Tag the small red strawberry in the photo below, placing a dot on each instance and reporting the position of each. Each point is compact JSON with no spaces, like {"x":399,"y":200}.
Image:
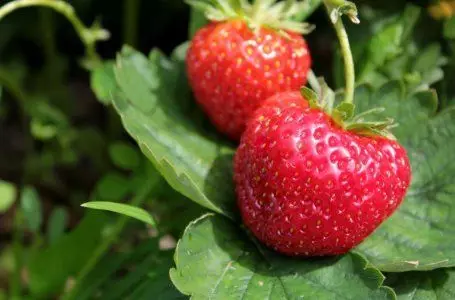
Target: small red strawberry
{"x":307,"y":187}
{"x":244,"y":57}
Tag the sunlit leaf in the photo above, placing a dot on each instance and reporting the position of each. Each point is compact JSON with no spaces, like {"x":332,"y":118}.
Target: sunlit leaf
{"x":124,"y":209}
{"x":8,"y":195}
{"x":215,"y":259}
{"x":154,"y":104}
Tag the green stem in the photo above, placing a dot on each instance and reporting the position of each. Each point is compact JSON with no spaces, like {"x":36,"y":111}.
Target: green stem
{"x":138,"y":199}
{"x":130,"y":22}
{"x":349,"y":71}
{"x":87,"y":36}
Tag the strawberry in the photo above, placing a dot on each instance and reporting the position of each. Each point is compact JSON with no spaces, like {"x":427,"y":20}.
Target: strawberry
{"x":308,"y":187}
{"x":235,"y":63}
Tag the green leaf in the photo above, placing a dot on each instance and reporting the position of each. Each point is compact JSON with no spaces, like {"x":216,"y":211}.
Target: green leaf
{"x":48,"y":269}
{"x":389,"y":41}
{"x":47,"y":115}
{"x":31,"y":209}
{"x":103,"y":82}
{"x":134,"y":274}
{"x":434,"y":285}
{"x":343,"y":112}
{"x":216,"y":260}
{"x":151,"y":273}
{"x":8,"y":194}
{"x":400,"y":56}
{"x":124,"y":156}
{"x":157,"y":286}
{"x":155,"y":106}
{"x":42,"y":131}
{"x":449,"y":28}
{"x":420,"y":236}
{"x":112,"y":187}
{"x":409,"y":18}
{"x":197,"y":21}
{"x":428,"y":58}
{"x":124,"y":209}
{"x":408,"y":110}
{"x":57,"y":224}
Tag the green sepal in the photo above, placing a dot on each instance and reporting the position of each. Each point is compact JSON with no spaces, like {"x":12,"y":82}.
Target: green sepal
{"x":341,"y":8}
{"x":380,"y":125}
{"x":327,"y":96}
{"x":273,"y":14}
{"x":343,"y":112}
{"x":372,"y":132}
{"x":360,"y":117}
{"x":311,"y":97}
{"x":373,"y":128}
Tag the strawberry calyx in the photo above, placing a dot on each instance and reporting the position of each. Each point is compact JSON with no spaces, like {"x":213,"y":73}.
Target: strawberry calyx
{"x":279,"y":16}
{"x":343,"y":113}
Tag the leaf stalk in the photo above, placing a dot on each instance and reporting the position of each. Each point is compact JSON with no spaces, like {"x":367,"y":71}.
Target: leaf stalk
{"x":349,"y":70}
{"x":88,"y":36}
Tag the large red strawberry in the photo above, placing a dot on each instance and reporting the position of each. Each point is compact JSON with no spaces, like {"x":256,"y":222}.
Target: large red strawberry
{"x":244,"y":57}
{"x":308,"y":187}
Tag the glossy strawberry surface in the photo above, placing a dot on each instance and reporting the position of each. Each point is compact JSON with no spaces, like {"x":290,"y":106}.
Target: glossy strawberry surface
{"x":232,"y":70}
{"x":306,"y":187}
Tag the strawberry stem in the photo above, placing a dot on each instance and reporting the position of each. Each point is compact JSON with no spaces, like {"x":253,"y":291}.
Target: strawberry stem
{"x":88,"y":35}
{"x":334,"y":10}
{"x":349,"y":71}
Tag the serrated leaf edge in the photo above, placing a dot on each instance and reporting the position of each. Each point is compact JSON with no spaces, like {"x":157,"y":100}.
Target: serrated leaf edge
{"x":367,"y":266}
{"x":173,"y":271}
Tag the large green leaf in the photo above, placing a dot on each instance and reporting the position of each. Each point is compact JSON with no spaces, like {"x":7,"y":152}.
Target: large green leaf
{"x":434,"y":285}
{"x":420,"y":235}
{"x":154,"y":104}
{"x":216,"y":260}
{"x":409,"y":110}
